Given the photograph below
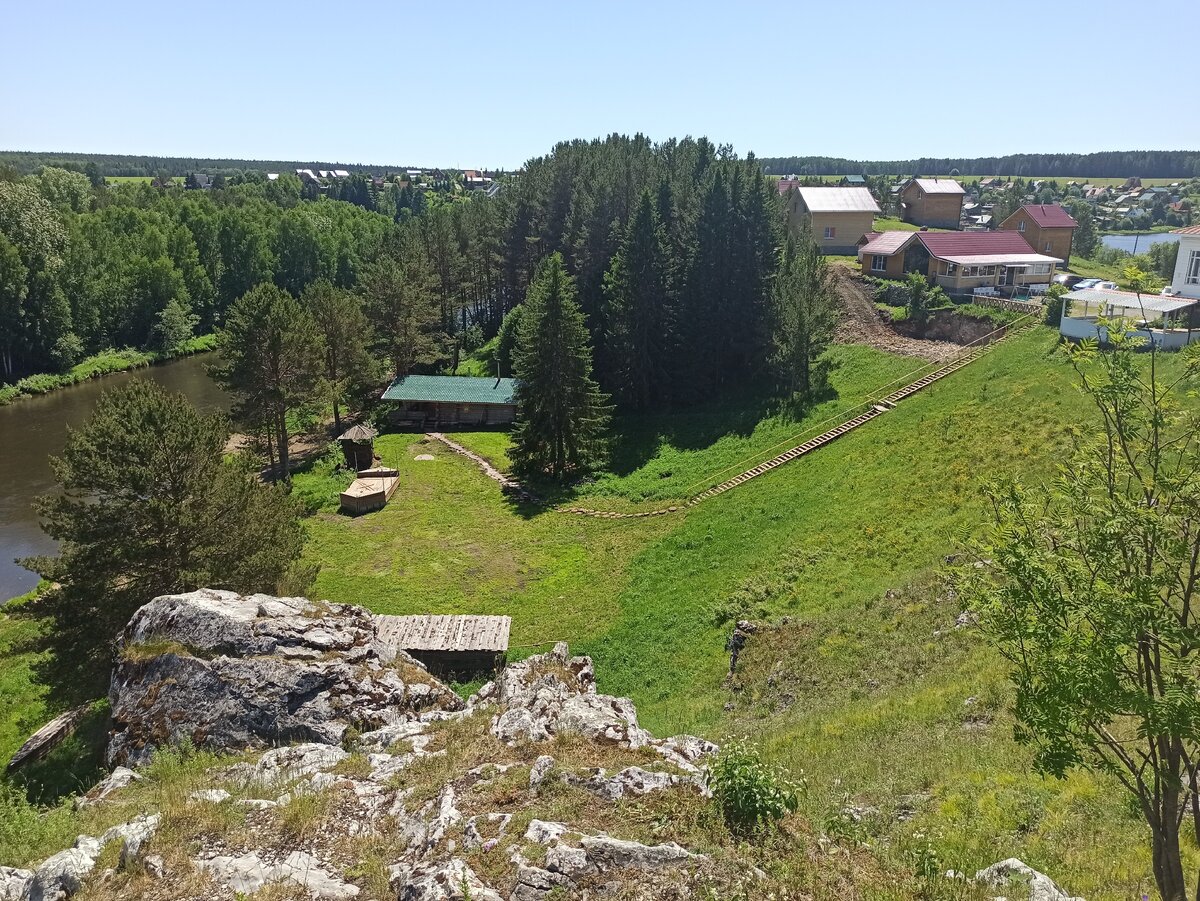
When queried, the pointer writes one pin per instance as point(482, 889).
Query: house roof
point(1189, 230)
point(886, 242)
point(838, 200)
point(939, 186)
point(786, 184)
point(444, 633)
point(947, 244)
point(453, 389)
point(855, 179)
point(1049, 215)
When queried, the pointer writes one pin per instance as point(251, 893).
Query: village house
point(933, 202)
point(1047, 227)
point(452, 400)
point(962, 263)
point(836, 217)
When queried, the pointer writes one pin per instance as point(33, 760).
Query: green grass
point(103, 363)
point(820, 542)
point(860, 685)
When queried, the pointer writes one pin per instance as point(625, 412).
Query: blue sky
point(472, 84)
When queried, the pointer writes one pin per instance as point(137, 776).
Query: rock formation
point(227, 671)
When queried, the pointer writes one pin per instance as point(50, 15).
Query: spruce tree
point(561, 413)
point(804, 312)
point(636, 300)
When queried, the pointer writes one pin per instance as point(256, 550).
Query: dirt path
point(862, 325)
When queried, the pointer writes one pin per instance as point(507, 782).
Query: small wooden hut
point(358, 446)
point(449, 644)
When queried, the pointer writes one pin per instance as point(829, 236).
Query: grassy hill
point(861, 682)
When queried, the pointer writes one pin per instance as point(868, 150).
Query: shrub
point(1056, 305)
point(751, 793)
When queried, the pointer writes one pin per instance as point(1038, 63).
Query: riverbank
point(104, 363)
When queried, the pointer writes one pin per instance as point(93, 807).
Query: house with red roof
point(1047, 227)
point(932, 202)
point(959, 262)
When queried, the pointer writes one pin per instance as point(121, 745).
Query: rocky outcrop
point(229, 671)
point(555, 693)
point(292, 679)
point(1018, 881)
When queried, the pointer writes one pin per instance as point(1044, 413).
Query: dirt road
point(861, 324)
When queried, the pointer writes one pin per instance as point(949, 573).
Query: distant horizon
point(199, 158)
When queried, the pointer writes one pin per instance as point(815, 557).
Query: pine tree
point(339, 317)
point(271, 358)
point(561, 413)
point(804, 305)
point(149, 507)
point(636, 300)
point(403, 306)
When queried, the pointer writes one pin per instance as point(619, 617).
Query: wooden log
point(47, 738)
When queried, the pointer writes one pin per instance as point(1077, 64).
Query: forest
point(1108, 164)
point(672, 251)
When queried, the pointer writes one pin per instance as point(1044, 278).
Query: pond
point(35, 428)
point(1138, 243)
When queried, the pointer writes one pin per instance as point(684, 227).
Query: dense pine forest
point(1109, 164)
point(672, 247)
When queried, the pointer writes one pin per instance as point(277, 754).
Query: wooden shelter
point(452, 400)
point(449, 644)
point(358, 446)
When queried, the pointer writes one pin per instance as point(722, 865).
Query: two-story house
point(933, 202)
point(1047, 227)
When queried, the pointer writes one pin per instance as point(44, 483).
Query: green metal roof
point(450, 389)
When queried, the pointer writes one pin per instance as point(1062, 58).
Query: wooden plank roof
point(444, 633)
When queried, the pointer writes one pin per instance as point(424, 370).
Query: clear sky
point(491, 84)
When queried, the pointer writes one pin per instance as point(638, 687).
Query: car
point(1086, 283)
point(1105, 286)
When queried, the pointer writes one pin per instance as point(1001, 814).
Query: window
point(951, 268)
point(1047, 247)
point(1192, 275)
point(830, 232)
point(1041, 268)
point(878, 263)
point(1021, 226)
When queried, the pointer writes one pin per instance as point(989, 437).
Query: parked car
point(1071, 281)
point(1085, 283)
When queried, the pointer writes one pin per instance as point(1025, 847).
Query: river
point(34, 428)
point(1143, 242)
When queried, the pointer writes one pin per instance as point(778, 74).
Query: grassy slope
point(821, 542)
point(862, 692)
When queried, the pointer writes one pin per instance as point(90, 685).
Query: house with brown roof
point(1047, 227)
point(836, 217)
point(933, 202)
point(959, 262)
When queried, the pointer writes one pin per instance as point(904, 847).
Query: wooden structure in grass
point(358, 446)
point(370, 491)
point(449, 644)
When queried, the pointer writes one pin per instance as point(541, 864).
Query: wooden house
point(452, 400)
point(959, 262)
point(836, 217)
point(1047, 227)
point(932, 202)
point(449, 644)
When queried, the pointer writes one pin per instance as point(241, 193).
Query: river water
point(1140, 242)
point(34, 428)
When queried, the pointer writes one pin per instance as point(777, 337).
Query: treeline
point(1108, 164)
point(85, 269)
point(25, 162)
